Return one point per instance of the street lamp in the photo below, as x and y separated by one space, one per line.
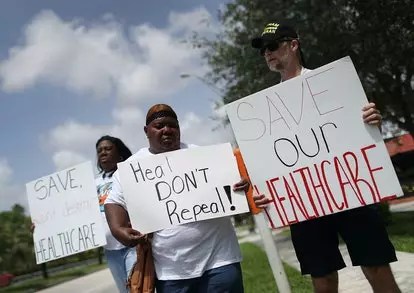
215 89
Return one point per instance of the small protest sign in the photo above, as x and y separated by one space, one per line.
306 147
182 186
65 210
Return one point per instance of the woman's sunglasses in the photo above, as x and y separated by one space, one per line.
272 46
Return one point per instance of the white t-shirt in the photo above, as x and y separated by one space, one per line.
103 187
302 72
187 251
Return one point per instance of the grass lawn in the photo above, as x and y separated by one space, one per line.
258 277
285 232
40 283
401 231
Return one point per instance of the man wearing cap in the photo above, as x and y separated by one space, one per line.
362 229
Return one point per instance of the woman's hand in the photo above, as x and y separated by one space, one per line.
129 237
118 221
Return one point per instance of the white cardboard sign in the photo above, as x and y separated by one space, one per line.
65 209
182 186
306 147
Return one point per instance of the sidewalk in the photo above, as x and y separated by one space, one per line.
351 279
401 200
406 206
98 282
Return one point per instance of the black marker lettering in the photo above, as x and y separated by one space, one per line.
317 144
323 134
204 172
277 153
171 207
158 189
168 163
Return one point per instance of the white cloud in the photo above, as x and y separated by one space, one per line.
10 194
198 20
128 125
101 59
5 171
200 131
66 158
105 58
74 142
75 136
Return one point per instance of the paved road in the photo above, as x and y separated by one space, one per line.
402 207
99 282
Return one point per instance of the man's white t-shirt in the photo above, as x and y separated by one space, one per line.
186 251
302 72
104 186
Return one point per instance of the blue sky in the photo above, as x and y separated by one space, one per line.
71 71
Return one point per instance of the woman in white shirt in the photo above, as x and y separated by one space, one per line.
110 151
196 257
120 258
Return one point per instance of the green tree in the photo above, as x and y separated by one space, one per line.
376 34
16 242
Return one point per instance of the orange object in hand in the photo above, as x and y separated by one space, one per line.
243 173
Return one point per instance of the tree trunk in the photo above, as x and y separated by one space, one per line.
100 260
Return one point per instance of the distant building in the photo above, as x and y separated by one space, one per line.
401 151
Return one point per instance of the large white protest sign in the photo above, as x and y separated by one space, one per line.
306 147
183 186
65 209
